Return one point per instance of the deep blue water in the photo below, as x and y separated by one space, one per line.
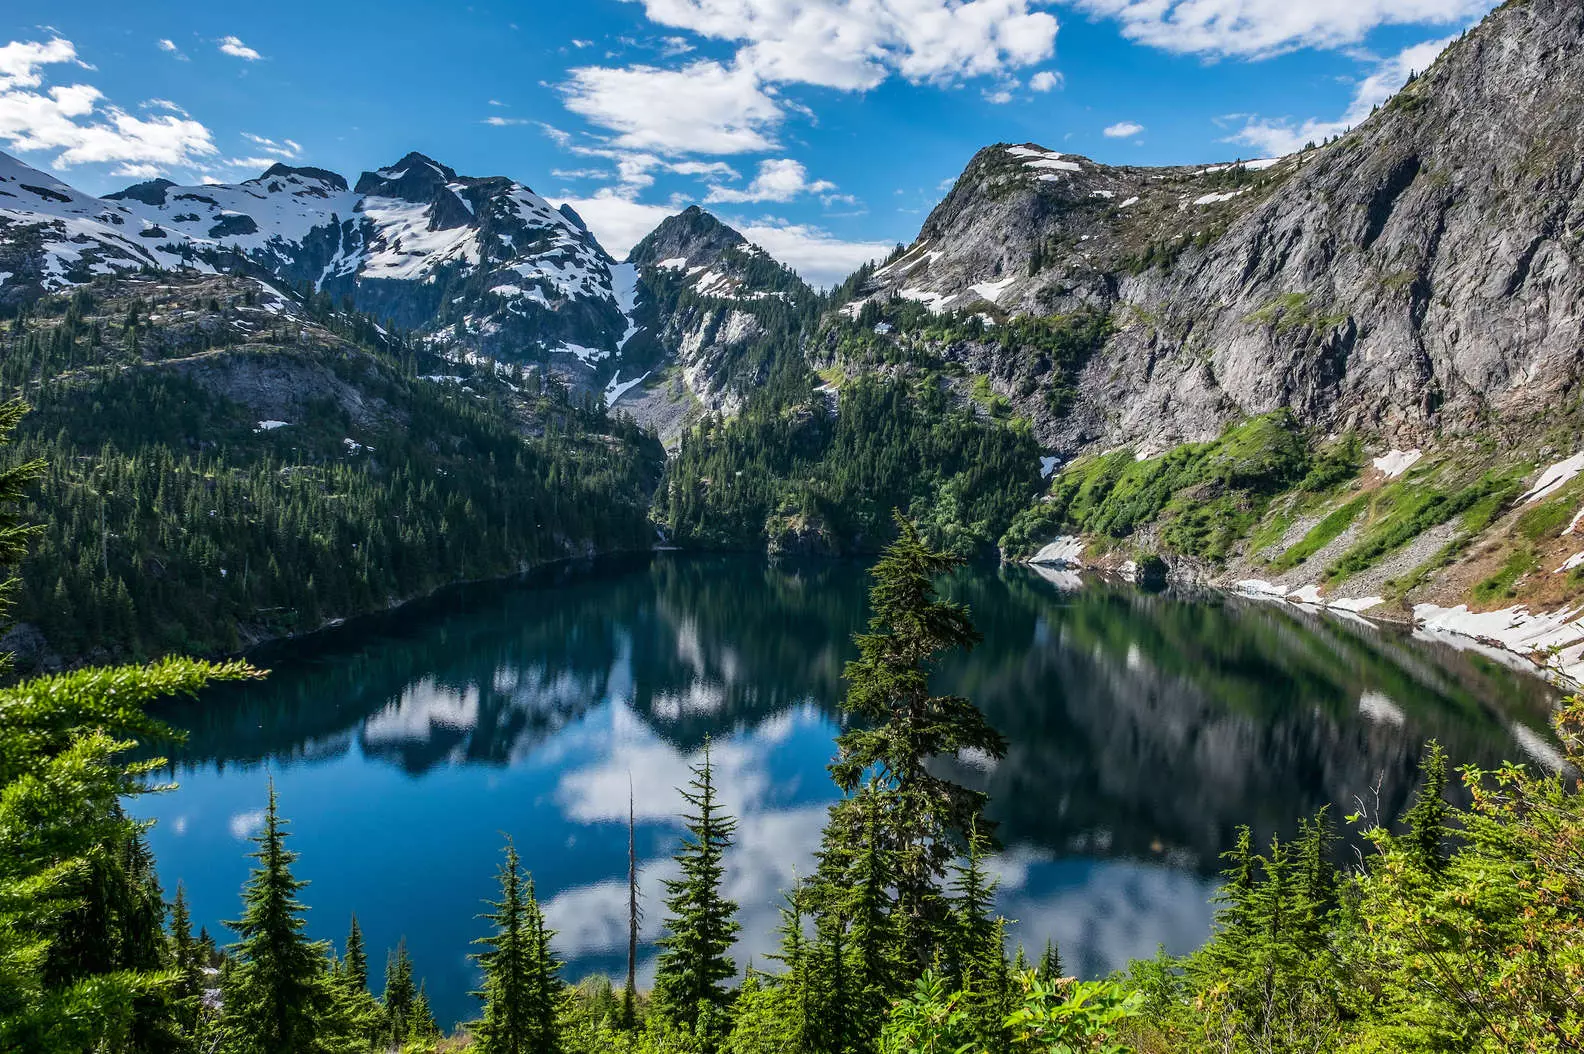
1144 729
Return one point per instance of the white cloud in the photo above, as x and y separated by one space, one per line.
505 122
20 61
234 47
1258 28
1277 137
778 180
168 45
822 260
289 149
1045 80
259 163
616 220
78 124
999 97
162 104
137 171
856 44
718 169
703 108
1123 130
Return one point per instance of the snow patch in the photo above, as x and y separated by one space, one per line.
1554 479
1066 551
1573 561
936 302
270 426
1048 466
991 291
1396 462
1130 202
1213 199
615 390
1558 637
586 355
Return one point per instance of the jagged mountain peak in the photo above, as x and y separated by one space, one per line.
308 172
416 177
151 192
690 238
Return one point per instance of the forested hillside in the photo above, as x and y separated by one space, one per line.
228 463
1452 929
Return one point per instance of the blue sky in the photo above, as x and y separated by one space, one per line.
825 129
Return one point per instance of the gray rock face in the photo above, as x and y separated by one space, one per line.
1418 277
711 309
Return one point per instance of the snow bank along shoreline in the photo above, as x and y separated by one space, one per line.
1548 644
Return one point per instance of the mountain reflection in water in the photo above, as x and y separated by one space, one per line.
1144 729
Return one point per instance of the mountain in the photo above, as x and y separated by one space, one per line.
717 313
485 264
1349 376
1417 277
52 236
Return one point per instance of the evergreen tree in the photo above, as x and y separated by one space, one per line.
1426 818
629 1005
421 1028
187 960
355 965
522 988
83 953
277 999
400 991
1050 964
899 728
694 966
362 1013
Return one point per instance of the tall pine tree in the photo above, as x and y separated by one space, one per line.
882 764
277 999
522 987
694 967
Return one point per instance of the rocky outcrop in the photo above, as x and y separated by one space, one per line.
1417 277
714 311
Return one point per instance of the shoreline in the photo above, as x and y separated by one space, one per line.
1513 636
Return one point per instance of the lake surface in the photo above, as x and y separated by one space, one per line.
1144 729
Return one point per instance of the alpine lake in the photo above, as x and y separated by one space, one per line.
1144 729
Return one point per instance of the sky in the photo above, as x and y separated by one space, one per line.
825 130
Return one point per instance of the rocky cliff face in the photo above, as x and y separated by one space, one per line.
1417 277
715 311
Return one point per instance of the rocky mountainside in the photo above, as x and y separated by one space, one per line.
1417 277
1348 377
717 313
483 264
485 267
